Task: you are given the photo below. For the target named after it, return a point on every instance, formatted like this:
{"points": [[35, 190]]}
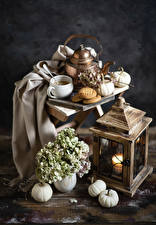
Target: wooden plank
{"points": [[98, 111], [59, 112], [126, 169], [146, 145], [67, 125], [120, 90], [140, 178], [79, 106], [131, 155]]}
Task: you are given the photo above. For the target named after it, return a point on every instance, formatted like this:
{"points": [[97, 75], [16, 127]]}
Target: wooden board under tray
{"points": [[80, 106]]}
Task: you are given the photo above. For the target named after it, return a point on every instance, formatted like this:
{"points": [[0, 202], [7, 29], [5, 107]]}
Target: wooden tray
{"points": [[80, 106]]}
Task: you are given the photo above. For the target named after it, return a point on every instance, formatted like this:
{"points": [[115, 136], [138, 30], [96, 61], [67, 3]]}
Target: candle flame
{"points": [[117, 158]]}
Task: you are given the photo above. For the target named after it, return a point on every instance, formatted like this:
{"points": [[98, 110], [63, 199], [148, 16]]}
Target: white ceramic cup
{"points": [[55, 90]]}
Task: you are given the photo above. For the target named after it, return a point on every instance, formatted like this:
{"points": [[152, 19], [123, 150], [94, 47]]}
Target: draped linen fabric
{"points": [[32, 127]]}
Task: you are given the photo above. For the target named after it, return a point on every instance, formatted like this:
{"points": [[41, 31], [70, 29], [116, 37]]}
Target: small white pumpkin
{"points": [[95, 188], [41, 192], [67, 184], [121, 78], [105, 88], [108, 198]]}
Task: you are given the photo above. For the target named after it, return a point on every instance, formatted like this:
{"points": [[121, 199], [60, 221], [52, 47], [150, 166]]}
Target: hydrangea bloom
{"points": [[91, 78], [65, 156]]}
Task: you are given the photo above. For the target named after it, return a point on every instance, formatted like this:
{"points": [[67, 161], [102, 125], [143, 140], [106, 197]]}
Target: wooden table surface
{"points": [[16, 209]]}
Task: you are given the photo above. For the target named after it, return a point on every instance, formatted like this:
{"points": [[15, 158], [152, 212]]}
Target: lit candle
{"points": [[117, 160]]}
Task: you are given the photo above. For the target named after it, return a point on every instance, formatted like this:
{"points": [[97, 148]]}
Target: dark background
{"points": [[31, 31]]}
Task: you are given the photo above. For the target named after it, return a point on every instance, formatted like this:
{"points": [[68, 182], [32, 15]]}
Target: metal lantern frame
{"points": [[130, 180]]}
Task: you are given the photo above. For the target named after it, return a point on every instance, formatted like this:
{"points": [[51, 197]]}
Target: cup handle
{"points": [[50, 88]]}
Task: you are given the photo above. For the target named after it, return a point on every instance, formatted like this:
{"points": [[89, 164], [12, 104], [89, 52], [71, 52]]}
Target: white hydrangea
{"points": [[66, 155]]}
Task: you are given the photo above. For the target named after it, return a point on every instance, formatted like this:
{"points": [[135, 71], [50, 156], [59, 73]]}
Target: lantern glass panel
{"points": [[139, 153], [111, 158]]}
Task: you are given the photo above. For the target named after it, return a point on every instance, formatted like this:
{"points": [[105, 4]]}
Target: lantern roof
{"points": [[122, 117]]}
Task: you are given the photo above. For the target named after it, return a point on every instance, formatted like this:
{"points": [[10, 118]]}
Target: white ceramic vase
{"points": [[67, 184]]}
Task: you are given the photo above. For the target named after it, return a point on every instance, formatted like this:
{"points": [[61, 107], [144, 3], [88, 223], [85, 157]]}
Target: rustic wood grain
{"points": [[128, 184], [79, 106], [116, 136], [59, 112], [122, 117], [16, 209]]}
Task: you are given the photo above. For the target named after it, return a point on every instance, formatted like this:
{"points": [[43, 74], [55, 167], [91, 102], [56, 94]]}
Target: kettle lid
{"points": [[81, 56]]}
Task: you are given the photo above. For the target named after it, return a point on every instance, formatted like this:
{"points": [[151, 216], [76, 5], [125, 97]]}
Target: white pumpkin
{"points": [[95, 188], [121, 78], [41, 192], [106, 88], [108, 198], [67, 184]]}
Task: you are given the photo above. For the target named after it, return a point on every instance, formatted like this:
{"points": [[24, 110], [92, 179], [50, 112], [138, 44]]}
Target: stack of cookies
{"points": [[87, 95]]}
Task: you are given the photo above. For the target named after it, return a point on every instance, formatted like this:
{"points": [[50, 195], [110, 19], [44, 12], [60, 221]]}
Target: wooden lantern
{"points": [[120, 150]]}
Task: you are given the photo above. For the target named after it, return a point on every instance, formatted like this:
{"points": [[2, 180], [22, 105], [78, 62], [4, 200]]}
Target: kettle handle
{"points": [[85, 36]]}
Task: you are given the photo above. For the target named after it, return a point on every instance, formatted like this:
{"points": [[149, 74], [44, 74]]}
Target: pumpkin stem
{"points": [[121, 68], [111, 78], [108, 191], [41, 183], [92, 180]]}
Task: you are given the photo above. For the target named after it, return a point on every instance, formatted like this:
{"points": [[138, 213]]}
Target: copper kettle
{"points": [[82, 60]]}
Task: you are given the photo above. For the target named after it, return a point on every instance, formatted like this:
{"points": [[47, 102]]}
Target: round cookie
{"points": [[87, 93], [76, 98], [92, 100]]}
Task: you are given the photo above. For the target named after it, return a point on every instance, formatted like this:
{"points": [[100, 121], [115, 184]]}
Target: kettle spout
{"points": [[105, 68]]}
